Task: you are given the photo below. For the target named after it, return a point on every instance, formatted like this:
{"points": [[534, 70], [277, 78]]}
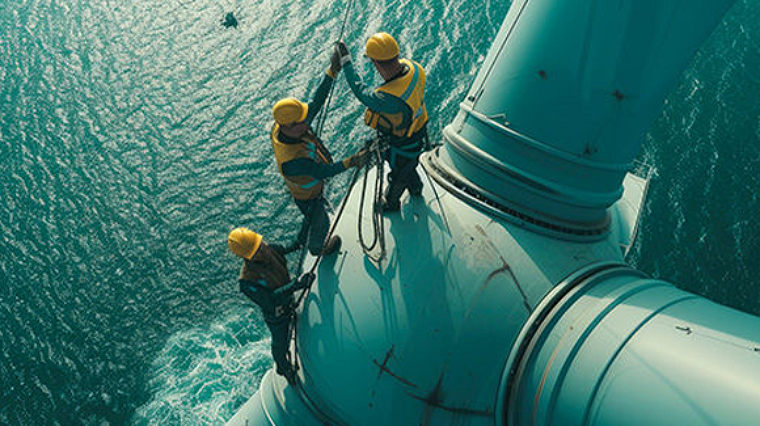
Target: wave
{"points": [[202, 375]]}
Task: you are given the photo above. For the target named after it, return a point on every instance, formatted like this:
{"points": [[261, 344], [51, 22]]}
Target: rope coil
{"points": [[375, 150]]}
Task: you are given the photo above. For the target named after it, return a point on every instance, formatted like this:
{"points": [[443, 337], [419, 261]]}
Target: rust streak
{"points": [[435, 400], [504, 268], [685, 329], [546, 373], [384, 368], [518, 285], [497, 271], [384, 365]]}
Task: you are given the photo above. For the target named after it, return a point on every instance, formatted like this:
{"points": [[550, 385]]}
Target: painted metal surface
{"points": [[464, 322], [621, 348], [427, 332], [626, 212], [560, 106], [423, 337]]}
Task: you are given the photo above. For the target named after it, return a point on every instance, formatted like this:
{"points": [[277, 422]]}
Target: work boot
{"points": [[390, 206], [289, 373], [332, 245]]}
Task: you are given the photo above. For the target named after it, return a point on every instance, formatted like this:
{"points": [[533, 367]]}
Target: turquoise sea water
{"points": [[133, 137]]}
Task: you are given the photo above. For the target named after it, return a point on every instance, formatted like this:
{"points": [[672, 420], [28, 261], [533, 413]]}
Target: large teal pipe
{"points": [[611, 346], [545, 136], [561, 104]]}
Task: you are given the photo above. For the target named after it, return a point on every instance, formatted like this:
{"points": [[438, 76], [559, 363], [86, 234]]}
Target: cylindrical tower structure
{"points": [[559, 109], [504, 298], [611, 346]]}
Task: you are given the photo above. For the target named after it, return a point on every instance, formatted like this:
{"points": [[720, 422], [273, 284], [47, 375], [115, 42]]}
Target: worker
{"points": [[304, 162], [396, 109], [264, 278]]}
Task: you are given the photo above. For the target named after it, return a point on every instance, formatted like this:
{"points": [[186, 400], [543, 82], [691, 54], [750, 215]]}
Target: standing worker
{"points": [[396, 110], [304, 162], [265, 280]]}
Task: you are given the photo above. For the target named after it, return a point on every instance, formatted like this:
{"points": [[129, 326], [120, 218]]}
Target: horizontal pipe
{"points": [[616, 347]]}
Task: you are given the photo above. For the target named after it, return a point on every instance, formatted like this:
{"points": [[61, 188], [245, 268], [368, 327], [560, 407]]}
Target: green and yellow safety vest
{"points": [[410, 88], [302, 187]]}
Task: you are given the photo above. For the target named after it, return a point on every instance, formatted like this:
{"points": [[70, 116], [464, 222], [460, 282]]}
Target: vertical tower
{"points": [[560, 107]]}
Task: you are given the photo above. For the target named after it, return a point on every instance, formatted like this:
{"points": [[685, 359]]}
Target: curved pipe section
{"points": [[544, 139], [610, 346], [278, 404], [559, 109]]}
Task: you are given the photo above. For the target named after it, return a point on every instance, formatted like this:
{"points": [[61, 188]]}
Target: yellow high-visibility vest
{"points": [[410, 88], [302, 187]]}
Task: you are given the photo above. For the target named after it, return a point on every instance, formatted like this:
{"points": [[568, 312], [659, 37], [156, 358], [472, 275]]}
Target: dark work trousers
{"points": [[403, 176], [403, 156], [277, 308], [315, 212], [279, 327]]}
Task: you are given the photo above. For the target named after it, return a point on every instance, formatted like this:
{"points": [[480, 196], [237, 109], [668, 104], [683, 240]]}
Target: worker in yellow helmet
{"points": [[265, 280], [304, 162], [396, 109]]}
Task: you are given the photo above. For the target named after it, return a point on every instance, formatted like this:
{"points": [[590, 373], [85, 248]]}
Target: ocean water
{"points": [[133, 137]]}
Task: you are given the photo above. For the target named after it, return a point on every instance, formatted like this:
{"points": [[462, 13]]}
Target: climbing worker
{"points": [[304, 162], [265, 280], [396, 110]]}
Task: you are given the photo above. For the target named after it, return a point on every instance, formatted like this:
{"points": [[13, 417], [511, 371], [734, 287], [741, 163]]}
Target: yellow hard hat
{"points": [[382, 47], [289, 110], [244, 242]]}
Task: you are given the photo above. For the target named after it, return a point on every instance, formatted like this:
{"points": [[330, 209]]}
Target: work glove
{"points": [[341, 51], [335, 64], [305, 281], [357, 160]]}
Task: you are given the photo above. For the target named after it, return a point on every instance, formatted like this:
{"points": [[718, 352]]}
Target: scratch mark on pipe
{"points": [[504, 268], [435, 400], [384, 368]]}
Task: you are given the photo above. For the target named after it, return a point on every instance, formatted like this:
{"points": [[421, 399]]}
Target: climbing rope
{"points": [[375, 148], [429, 147], [307, 290], [375, 151], [321, 118]]}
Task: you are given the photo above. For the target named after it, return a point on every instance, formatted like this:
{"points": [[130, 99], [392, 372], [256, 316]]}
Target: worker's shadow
{"points": [[413, 296], [320, 308], [417, 281]]}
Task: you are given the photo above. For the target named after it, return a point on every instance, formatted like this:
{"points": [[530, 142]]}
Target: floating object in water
{"points": [[230, 21]]}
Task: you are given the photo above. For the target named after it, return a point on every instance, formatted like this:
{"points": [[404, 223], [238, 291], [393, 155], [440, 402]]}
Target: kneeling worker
{"points": [[265, 280], [304, 161]]}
